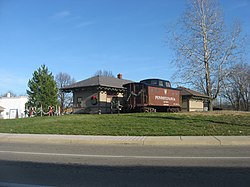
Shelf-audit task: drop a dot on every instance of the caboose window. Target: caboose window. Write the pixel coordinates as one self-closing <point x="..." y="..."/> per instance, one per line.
<point x="145" y="99"/>
<point x="168" y="84"/>
<point x="161" y="83"/>
<point x="154" y="82"/>
<point x="137" y="87"/>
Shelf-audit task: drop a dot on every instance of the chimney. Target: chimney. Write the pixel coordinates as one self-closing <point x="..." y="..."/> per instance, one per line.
<point x="119" y="76"/>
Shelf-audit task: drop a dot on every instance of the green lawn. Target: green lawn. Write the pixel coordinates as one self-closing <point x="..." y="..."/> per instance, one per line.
<point x="136" y="124"/>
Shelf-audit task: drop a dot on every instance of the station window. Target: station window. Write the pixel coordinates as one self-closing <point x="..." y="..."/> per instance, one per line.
<point x="79" y="100"/>
<point x="111" y="93"/>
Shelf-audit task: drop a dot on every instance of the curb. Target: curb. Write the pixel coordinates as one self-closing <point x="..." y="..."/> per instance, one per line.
<point x="128" y="140"/>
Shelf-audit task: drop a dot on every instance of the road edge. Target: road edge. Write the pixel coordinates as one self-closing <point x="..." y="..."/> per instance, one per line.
<point x="127" y="140"/>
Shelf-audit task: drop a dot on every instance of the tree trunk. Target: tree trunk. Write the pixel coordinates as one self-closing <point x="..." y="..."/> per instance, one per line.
<point x="208" y="87"/>
<point x="207" y="72"/>
<point x="210" y="105"/>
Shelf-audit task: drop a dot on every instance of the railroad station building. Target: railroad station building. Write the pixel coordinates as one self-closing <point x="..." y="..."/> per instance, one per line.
<point x="96" y="94"/>
<point x="193" y="101"/>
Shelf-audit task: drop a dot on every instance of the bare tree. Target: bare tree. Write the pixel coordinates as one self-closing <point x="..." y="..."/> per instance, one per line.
<point x="62" y="80"/>
<point x="204" y="48"/>
<point x="105" y="73"/>
<point x="237" y="87"/>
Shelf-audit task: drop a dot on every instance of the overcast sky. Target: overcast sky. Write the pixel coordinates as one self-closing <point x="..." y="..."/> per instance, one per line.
<point x="82" y="37"/>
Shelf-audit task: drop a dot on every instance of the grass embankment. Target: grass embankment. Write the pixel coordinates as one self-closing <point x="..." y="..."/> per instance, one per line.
<point x="137" y="124"/>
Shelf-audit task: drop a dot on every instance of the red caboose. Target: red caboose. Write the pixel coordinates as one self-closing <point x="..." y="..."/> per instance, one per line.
<point x="151" y="95"/>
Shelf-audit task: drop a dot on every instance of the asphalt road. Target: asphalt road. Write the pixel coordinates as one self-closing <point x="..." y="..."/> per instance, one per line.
<point x="92" y="165"/>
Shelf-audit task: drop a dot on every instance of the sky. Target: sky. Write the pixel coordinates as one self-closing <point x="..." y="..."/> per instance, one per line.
<point x="80" y="37"/>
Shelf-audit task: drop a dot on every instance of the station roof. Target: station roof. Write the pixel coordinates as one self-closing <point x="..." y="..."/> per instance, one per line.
<point x="189" y="92"/>
<point x="98" y="81"/>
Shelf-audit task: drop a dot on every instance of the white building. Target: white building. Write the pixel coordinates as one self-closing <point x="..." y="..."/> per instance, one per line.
<point x="12" y="107"/>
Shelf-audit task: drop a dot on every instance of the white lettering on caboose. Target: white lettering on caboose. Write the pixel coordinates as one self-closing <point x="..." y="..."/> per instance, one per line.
<point x="164" y="98"/>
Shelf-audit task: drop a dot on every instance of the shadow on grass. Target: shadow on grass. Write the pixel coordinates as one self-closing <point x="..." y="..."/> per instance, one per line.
<point x="195" y="120"/>
<point x="162" y="117"/>
<point x="228" y="123"/>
